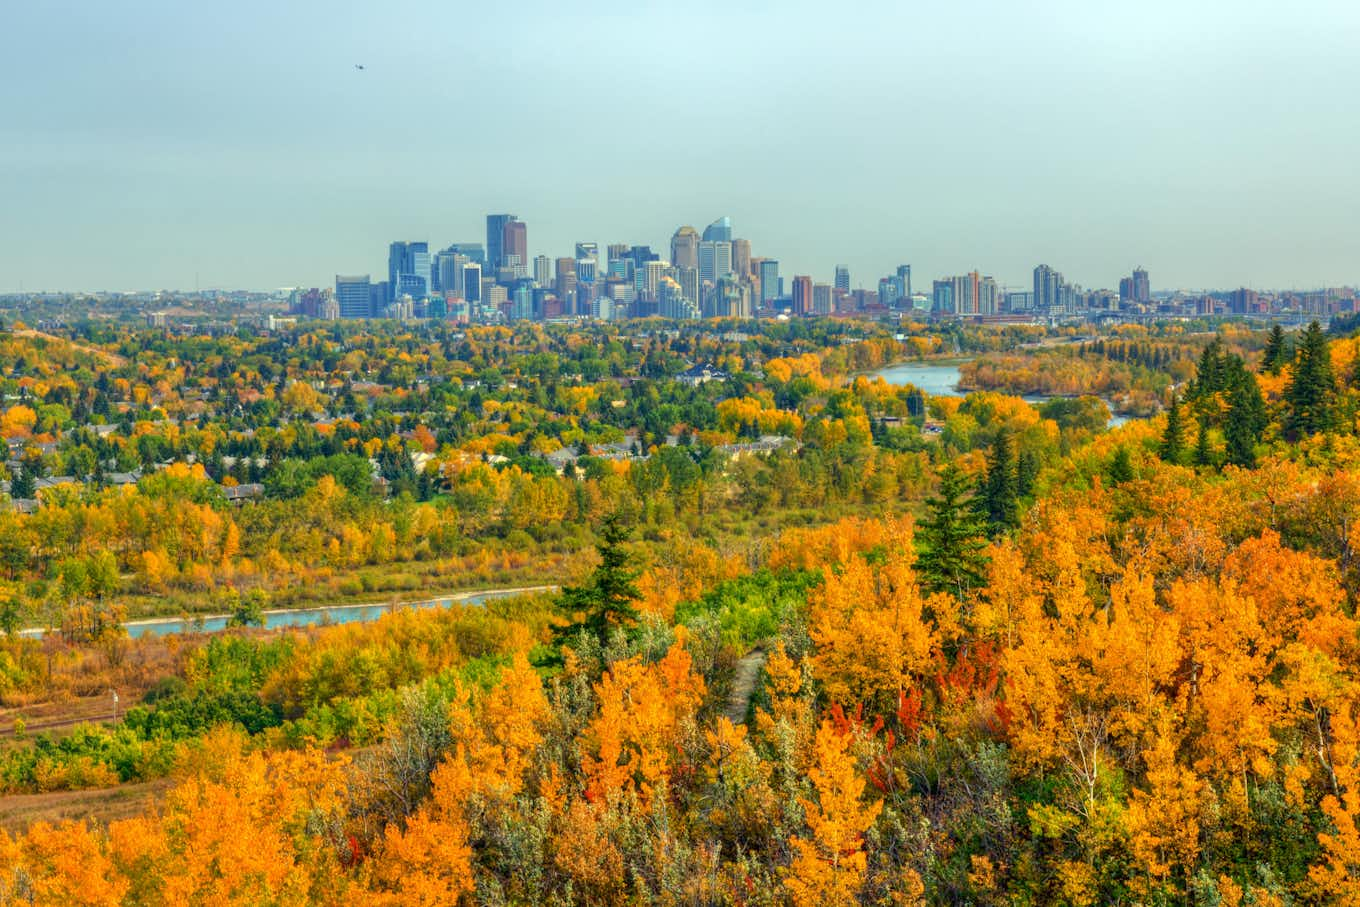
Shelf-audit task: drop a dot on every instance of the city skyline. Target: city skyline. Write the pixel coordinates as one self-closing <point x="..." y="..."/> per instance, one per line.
<point x="152" y="156"/>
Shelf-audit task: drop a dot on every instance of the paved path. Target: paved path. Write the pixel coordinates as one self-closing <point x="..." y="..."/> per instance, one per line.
<point x="744" y="685"/>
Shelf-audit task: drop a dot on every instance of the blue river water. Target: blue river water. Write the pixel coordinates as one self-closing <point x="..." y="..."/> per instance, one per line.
<point x="940" y="378"/>
<point x="334" y="614"/>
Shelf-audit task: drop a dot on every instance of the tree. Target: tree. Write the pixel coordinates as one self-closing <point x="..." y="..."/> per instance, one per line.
<point x="606" y="599"/>
<point x="951" y="538"/>
<point x="1173" y="439"/>
<point x="828" y="867"/>
<point x="1121" y="467"/>
<point x="1311" y="386"/>
<point x="1204" y="455"/>
<point x="248" y="610"/>
<point x="22" y="487"/>
<point x="1276" y="354"/>
<point x="1245" y="421"/>
<point x="999" y="498"/>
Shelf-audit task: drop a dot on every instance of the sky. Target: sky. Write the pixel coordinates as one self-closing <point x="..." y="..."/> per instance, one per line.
<point x="147" y="144"/>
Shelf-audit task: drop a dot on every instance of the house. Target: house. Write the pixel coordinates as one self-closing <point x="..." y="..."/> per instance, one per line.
<point x="249" y="491"/>
<point x="696" y="375"/>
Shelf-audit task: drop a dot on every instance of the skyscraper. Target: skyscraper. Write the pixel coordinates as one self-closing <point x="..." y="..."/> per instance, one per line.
<point x="587" y="250"/>
<point x="904" y="279"/>
<point x="770" y="285"/>
<point x="542" y="270"/>
<point x="1142" y="288"/>
<point x="472" y="282"/>
<point x="515" y="242"/>
<point x="354" y="296"/>
<point x="802" y="295"/>
<point x="685" y="248"/>
<point x="408" y="270"/>
<point x="566" y="281"/>
<point x="741" y="258"/>
<point x="715" y="260"/>
<point x="1047" y="289"/>
<point x="719" y="231"/>
<point x="495" y="237"/>
<point x="842" y="281"/>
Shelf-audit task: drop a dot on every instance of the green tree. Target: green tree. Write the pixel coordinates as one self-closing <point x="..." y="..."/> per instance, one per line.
<point x="606" y="599"/>
<point x="248" y="610"/>
<point x="1246" y="420"/>
<point x="1121" y="467"/>
<point x="999" y="497"/>
<point x="1311" y="386"/>
<point x="1204" y="455"/>
<point x="1173" y="439"/>
<point x="1276" y="352"/>
<point x="951" y="538"/>
<point x="22" y="487"/>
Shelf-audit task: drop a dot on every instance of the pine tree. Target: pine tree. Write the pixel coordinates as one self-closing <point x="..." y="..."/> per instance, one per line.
<point x="1311" y="386"/>
<point x="1203" y="453"/>
<point x="606" y="599"/>
<point x="999" y="498"/>
<point x="951" y="538"/>
<point x="1276" y="352"/>
<point x="1246" y="420"/>
<point x="1121" y="467"/>
<point x="1173" y="439"/>
<point x="22" y="487"/>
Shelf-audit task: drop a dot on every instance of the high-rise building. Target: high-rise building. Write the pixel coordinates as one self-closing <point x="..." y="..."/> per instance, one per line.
<point x="942" y="297"/>
<point x="685" y="248"/>
<point x="967" y="293"/>
<point x="821" y="299"/>
<point x="449" y="269"/>
<point x="473" y="250"/>
<point x="472" y="282"/>
<point x="741" y="258"/>
<point x="566" y="280"/>
<point x="515" y="241"/>
<point x="589" y="250"/>
<point x="587" y="270"/>
<point x="495" y="238"/>
<point x="354" y="296"/>
<point x="542" y="270"/>
<point x="1243" y="301"/>
<point x="1048" y="285"/>
<point x="904" y="279"/>
<point x="771" y="287"/>
<point x="1142" y="288"/>
<point x="688" y="278"/>
<point x="719" y="231"/>
<point x="715" y="260"/>
<point x="842" y="281"/>
<point x="802" y="295"/>
<point x="987" y="296"/>
<point x="408" y="270"/>
<point x="654" y="271"/>
<point x="672" y="302"/>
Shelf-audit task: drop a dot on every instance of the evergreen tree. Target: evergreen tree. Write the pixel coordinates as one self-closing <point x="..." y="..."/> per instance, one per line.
<point x="1173" y="439"/>
<point x="951" y="538"/>
<point x="1203" y="453"/>
<point x="1311" y="386"/>
<point x="1276" y="352"/>
<point x="999" y="498"/>
<point x="1121" y="467"/>
<point x="1246" y="420"/>
<point x="22" y="487"/>
<point x="606" y="599"/>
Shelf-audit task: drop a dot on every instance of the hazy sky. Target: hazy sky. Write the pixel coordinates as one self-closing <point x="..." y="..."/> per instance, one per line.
<point x="147" y="144"/>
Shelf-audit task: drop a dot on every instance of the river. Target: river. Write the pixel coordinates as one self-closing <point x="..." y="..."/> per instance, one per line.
<point x="306" y="617"/>
<point x="940" y="378"/>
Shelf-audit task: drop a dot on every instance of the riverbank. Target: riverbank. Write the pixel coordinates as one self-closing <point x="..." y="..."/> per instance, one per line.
<point x="280" y="618"/>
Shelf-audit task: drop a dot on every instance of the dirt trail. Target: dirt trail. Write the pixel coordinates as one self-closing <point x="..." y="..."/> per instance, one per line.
<point x="744" y="685"/>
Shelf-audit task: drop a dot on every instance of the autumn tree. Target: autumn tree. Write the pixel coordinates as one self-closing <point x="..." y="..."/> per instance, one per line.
<point x="828" y="865"/>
